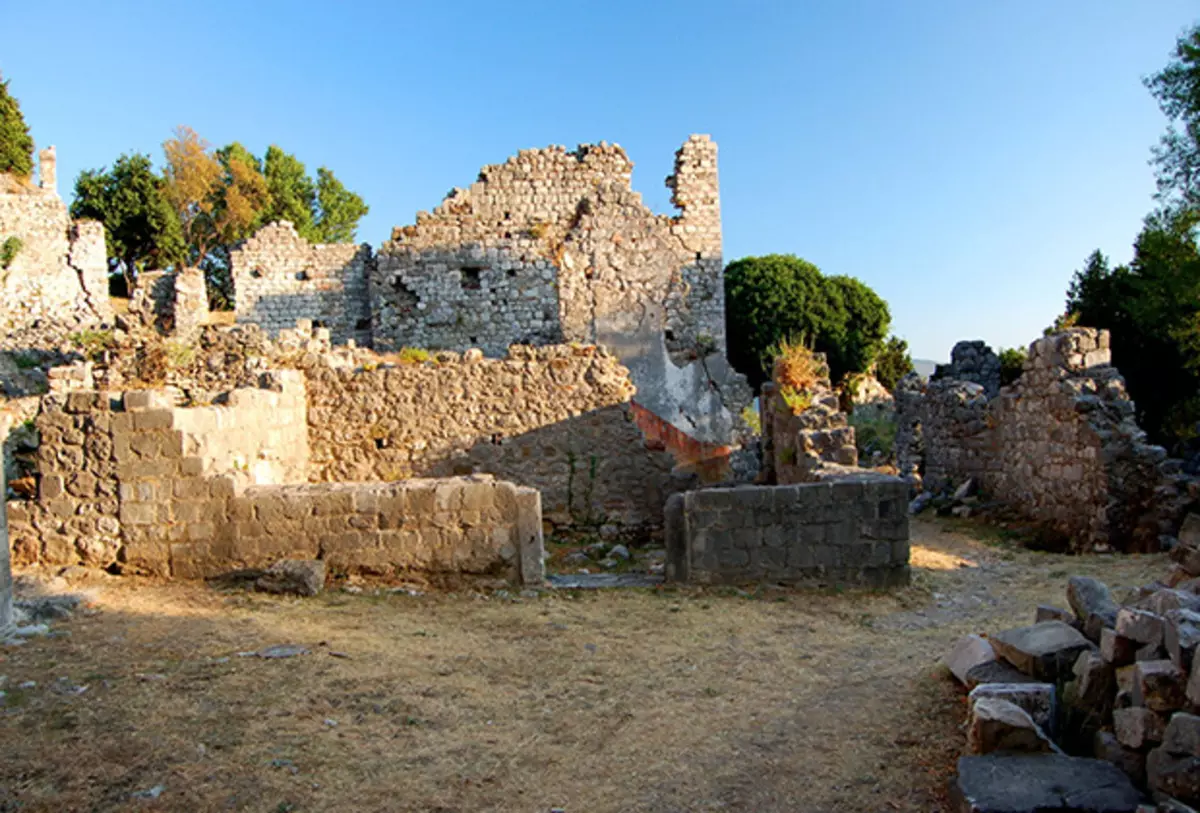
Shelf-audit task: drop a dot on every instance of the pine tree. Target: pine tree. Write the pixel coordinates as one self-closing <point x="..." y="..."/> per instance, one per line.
<point x="16" y="145"/>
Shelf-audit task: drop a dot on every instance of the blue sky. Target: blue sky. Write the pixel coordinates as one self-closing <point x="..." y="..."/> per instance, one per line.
<point x="962" y="158"/>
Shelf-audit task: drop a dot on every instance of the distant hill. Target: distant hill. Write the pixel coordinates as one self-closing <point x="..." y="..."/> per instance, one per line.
<point x="925" y="366"/>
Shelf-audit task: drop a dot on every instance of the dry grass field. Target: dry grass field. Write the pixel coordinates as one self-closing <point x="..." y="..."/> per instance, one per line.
<point x="634" y="700"/>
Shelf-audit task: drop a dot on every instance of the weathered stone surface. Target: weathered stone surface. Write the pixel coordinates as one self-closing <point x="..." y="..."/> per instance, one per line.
<point x="1046" y="650"/>
<point x="996" y="724"/>
<point x="1036" y="699"/>
<point x="999" y="671"/>
<point x="305" y="577"/>
<point x="1182" y="735"/>
<point x="1181" y="636"/>
<point x="1117" y="649"/>
<point x="1142" y="626"/>
<point x="1093" y="680"/>
<point x="1158" y="685"/>
<point x="1175" y="776"/>
<point x="1138" y="727"/>
<point x="967" y="653"/>
<point x="1166" y="599"/>
<point x="1093" y="604"/>
<point x="1047" y="613"/>
<point x="1132" y="762"/>
<point x="1041" y="783"/>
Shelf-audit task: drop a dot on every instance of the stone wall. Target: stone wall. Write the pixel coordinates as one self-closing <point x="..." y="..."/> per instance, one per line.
<point x="1060" y="446"/>
<point x="172" y="302"/>
<point x="126" y="482"/>
<point x="851" y="531"/>
<point x="972" y="361"/>
<point x="59" y="274"/>
<point x="558" y="419"/>
<point x="279" y="277"/>
<point x="809" y="445"/>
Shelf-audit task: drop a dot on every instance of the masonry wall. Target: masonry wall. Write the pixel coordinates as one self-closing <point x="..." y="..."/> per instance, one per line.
<point x="558" y="419"/>
<point x="60" y="273"/>
<point x="1061" y="445"/>
<point x="279" y="277"/>
<point x="850" y="531"/>
<point x="811" y="445"/>
<point x="128" y="483"/>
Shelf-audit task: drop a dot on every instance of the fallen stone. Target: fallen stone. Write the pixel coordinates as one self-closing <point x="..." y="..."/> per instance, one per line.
<point x="1041" y="783"/>
<point x="619" y="552"/>
<point x="1138" y="727"/>
<point x="1132" y="762"/>
<point x="1165" y="599"/>
<point x="1174" y="776"/>
<point x="304" y="577"/>
<point x="968" y="652"/>
<point x="1158" y="685"/>
<point x="920" y="502"/>
<point x="996" y="672"/>
<point x="996" y="724"/>
<point x="1150" y="652"/>
<point x="1093" y="604"/>
<point x="965" y="489"/>
<point x="1182" y="735"/>
<point x="1117" y="649"/>
<point x="1181" y="636"/>
<point x="1093" y="680"/>
<point x="1035" y="699"/>
<point x="1142" y="626"/>
<point x="1047" y="650"/>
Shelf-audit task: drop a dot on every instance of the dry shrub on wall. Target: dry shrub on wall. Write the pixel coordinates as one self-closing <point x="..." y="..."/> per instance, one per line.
<point x="797" y="371"/>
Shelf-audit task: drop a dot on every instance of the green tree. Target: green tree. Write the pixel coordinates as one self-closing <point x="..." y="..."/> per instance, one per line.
<point x="141" y="228"/>
<point x="293" y="195"/>
<point x="782" y="297"/>
<point x="1012" y="364"/>
<point x="1177" y="157"/>
<point x="339" y="210"/>
<point x="16" y="145"/>
<point x="893" y="362"/>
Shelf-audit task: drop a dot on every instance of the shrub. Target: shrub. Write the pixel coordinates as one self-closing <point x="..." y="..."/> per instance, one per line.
<point x="9" y="250"/>
<point x="413" y="355"/>
<point x="797" y="371"/>
<point x="1012" y="364"/>
<point x="93" y="343"/>
<point x="752" y="419"/>
<point x="893" y="363"/>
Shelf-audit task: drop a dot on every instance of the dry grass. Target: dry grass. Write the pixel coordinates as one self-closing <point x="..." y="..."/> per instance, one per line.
<point x="688" y="700"/>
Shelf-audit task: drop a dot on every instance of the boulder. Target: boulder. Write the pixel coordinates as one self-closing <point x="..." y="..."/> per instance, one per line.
<point x="1158" y="685"/>
<point x="1181" y="636"/>
<point x="1041" y="783"/>
<point x="305" y="577"/>
<point x="1138" y="727"/>
<point x="1045" y="612"/>
<point x="996" y="724"/>
<point x="1047" y="650"/>
<point x="1132" y="762"/>
<point x="1165" y="599"/>
<point x="1173" y="775"/>
<point x="996" y="672"/>
<point x="968" y="652"/>
<point x="1093" y="680"/>
<point x="1093" y="604"/>
<point x="1035" y="699"/>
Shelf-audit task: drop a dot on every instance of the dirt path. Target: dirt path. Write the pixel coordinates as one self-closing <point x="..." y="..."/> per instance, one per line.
<point x="640" y="700"/>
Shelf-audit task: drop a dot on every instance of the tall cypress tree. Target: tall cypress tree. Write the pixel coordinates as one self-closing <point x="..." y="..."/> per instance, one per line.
<point x="16" y="145"/>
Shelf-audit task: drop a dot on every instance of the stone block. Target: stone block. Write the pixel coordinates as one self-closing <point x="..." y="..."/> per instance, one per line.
<point x="1138" y="727"/>
<point x="150" y="419"/>
<point x="1093" y="604"/>
<point x="1142" y="626"/>
<point x="1133" y="763"/>
<point x="1181" y="636"/>
<point x="1045" y="783"/>
<point x="1094" y="680"/>
<point x="1047" y="613"/>
<point x="1174" y="776"/>
<point x="1047" y="650"/>
<point x="968" y="652"/>
<point x="1182" y="735"/>
<point x="1036" y="699"/>
<point x="999" y="671"/>
<point x="995" y="724"/>
<point x="305" y="577"/>
<point x="1158" y="685"/>
<point x="1116" y="649"/>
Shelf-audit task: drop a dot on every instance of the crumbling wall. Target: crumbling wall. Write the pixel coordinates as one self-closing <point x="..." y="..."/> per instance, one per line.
<point x="558" y="419"/>
<point x="810" y="441"/>
<point x="555" y="245"/>
<point x="958" y="434"/>
<point x="910" y="431"/>
<point x="279" y="277"/>
<point x="172" y="302"/>
<point x="972" y="361"/>
<point x="127" y="482"/>
<point x="848" y="531"/>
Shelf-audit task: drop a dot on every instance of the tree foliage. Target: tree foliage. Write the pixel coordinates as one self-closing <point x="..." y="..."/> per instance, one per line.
<point x="1012" y="364"/>
<point x="893" y="363"/>
<point x="1177" y="157"/>
<point x="141" y="228"/>
<point x="16" y="145"/>
<point x="778" y="298"/>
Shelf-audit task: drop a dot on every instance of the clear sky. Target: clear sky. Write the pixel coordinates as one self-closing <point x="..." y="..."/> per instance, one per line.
<point x="962" y="158"/>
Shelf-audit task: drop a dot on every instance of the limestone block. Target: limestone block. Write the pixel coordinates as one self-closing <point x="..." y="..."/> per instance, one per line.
<point x="1046" y="650"/>
<point x="996" y="724"/>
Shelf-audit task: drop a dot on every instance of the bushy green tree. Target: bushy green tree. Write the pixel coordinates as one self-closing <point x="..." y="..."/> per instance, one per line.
<point x="141" y="228"/>
<point x="782" y="297"/>
<point x="339" y="210"/>
<point x="1177" y="156"/>
<point x="1012" y="364"/>
<point x="893" y="363"/>
<point x="16" y="145"/>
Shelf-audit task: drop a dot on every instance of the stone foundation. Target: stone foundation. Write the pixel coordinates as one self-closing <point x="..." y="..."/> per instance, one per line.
<point x="848" y="532"/>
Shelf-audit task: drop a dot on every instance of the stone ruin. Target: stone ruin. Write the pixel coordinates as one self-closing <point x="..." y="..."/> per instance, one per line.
<point x="1060" y="446"/>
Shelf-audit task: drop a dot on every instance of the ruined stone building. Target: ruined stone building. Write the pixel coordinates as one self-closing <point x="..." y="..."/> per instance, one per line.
<point x="549" y="247"/>
<point x="53" y="269"/>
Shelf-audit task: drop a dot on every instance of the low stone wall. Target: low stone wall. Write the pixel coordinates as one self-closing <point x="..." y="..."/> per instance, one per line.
<point x="852" y="531"/>
<point x="558" y="419"/>
<point x="127" y="482"/>
<point x="809" y="445"/>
